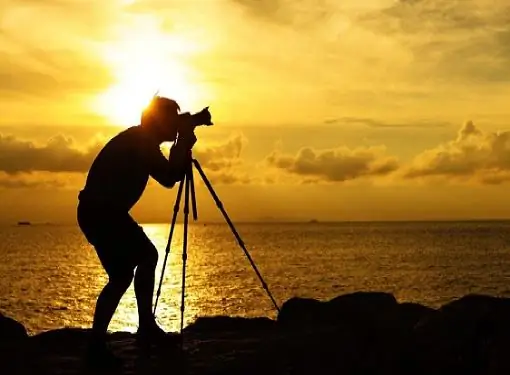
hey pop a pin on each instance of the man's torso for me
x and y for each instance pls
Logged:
(119, 174)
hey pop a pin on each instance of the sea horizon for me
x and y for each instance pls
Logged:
(276, 221)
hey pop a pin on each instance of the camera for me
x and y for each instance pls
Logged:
(202, 118)
(189, 122)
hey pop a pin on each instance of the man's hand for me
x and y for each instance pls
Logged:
(187, 141)
(180, 157)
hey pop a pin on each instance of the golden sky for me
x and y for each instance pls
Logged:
(336, 110)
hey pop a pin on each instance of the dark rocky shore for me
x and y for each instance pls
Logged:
(362, 333)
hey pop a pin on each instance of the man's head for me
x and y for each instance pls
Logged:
(161, 117)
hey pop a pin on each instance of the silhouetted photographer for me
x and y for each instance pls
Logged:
(115, 182)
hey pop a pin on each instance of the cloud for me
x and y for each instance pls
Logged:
(222, 163)
(302, 13)
(33, 73)
(20, 158)
(474, 154)
(374, 123)
(39, 180)
(58, 154)
(440, 19)
(336, 165)
(229, 178)
(458, 40)
(70, 64)
(81, 19)
(407, 49)
(223, 155)
(442, 15)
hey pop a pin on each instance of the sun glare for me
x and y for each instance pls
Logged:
(146, 62)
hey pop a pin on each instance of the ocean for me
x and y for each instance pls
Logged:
(51, 275)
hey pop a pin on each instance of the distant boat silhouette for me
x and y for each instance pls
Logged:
(24, 223)
(313, 221)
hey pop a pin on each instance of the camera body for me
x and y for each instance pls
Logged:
(188, 123)
(202, 118)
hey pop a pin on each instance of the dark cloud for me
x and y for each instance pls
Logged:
(59, 154)
(474, 154)
(340, 164)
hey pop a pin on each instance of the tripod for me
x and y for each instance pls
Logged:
(190, 189)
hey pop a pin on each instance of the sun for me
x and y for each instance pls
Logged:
(144, 63)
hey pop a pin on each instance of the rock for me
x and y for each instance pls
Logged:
(355, 308)
(301, 311)
(358, 333)
(463, 336)
(352, 332)
(11, 331)
(230, 324)
(13, 337)
(410, 314)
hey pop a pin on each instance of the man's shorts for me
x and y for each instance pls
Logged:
(120, 243)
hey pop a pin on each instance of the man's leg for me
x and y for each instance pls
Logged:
(146, 259)
(144, 285)
(103, 229)
(108, 301)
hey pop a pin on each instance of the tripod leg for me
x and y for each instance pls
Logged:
(193, 199)
(239, 240)
(167, 250)
(185, 244)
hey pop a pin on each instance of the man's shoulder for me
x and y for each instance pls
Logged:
(133, 134)
(134, 140)
(132, 131)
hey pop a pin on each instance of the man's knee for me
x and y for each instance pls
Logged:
(149, 256)
(121, 280)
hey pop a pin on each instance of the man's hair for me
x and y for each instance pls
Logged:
(159, 107)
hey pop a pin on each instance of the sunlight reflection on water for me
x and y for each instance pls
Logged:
(51, 276)
(169, 303)
(206, 268)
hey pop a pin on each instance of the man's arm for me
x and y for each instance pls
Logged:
(168, 172)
